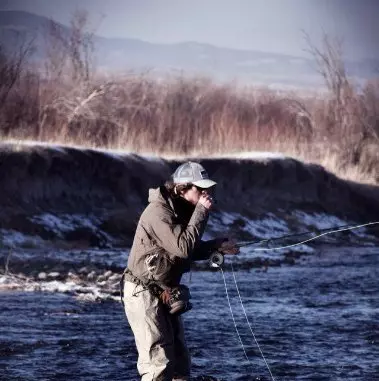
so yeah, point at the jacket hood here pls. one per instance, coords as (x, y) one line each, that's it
(156, 195)
(179, 205)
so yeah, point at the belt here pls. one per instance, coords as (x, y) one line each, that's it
(128, 275)
(155, 288)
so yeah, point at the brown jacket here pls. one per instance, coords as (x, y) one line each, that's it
(168, 238)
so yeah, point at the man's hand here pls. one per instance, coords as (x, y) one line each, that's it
(165, 296)
(206, 200)
(227, 247)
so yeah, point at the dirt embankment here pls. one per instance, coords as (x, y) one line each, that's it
(80, 195)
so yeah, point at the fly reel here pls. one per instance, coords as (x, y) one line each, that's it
(216, 259)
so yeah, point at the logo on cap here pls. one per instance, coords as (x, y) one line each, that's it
(204, 174)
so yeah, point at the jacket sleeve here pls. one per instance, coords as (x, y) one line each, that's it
(177, 240)
(204, 249)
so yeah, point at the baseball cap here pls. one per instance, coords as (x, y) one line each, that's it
(193, 173)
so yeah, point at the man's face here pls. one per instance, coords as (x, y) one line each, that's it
(194, 193)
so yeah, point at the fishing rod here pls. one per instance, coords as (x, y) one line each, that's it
(217, 258)
(318, 231)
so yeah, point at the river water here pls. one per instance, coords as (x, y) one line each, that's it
(315, 320)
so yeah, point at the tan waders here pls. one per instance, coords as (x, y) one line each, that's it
(159, 336)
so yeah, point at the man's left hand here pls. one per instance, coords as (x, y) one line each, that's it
(228, 247)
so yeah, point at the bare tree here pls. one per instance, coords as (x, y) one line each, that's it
(343, 124)
(56, 57)
(12, 65)
(331, 66)
(70, 73)
(352, 117)
(70, 51)
(81, 46)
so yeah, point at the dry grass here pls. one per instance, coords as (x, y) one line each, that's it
(197, 117)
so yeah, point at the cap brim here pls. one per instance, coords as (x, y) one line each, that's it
(205, 183)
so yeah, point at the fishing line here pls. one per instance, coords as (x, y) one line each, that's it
(234, 320)
(235, 324)
(248, 323)
(339, 229)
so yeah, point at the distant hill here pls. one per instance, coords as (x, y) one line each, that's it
(187, 58)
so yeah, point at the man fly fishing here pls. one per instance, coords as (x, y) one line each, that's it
(166, 241)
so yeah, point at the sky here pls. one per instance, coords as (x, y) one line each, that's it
(266, 25)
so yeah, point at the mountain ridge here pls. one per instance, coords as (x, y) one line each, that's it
(188, 57)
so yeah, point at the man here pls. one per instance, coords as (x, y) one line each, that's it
(167, 240)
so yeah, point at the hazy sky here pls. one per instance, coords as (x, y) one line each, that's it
(266, 25)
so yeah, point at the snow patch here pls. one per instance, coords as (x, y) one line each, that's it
(318, 220)
(33, 143)
(253, 155)
(13, 239)
(323, 221)
(66, 222)
(268, 226)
